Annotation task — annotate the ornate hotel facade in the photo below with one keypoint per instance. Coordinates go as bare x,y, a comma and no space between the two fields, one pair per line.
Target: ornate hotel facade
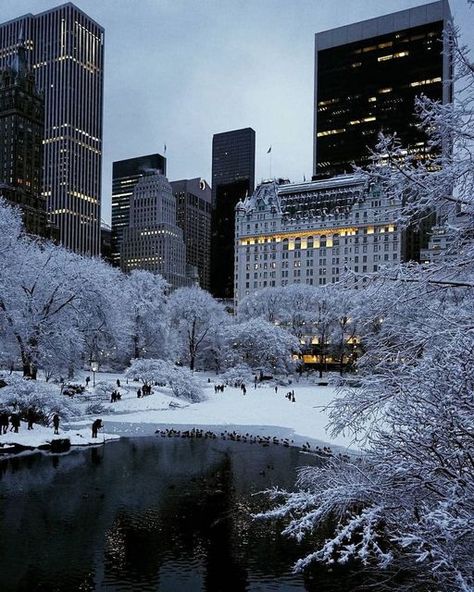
313,233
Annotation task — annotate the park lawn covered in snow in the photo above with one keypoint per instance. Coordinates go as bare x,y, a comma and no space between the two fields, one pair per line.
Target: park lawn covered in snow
261,411
41,436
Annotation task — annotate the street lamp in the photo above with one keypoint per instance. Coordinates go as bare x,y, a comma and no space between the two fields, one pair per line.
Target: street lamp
94,368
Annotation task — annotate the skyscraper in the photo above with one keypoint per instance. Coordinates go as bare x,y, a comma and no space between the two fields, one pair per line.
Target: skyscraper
65,48
193,216
125,176
233,177
21,142
152,240
367,76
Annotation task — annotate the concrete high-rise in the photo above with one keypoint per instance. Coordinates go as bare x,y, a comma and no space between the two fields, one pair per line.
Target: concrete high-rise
65,49
125,175
367,76
233,178
152,240
21,142
193,216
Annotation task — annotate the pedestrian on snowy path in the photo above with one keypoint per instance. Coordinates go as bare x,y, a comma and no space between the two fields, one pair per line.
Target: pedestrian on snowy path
276,389
56,423
3,422
15,421
139,393
118,382
88,379
30,418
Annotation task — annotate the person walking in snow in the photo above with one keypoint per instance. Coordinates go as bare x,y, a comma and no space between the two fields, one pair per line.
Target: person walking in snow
88,379
30,418
96,426
15,421
56,423
139,393
3,422
276,389
118,382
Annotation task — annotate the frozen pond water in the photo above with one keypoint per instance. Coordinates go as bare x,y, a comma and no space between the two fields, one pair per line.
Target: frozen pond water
168,515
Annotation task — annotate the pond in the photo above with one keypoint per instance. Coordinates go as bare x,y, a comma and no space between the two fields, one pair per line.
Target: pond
168,515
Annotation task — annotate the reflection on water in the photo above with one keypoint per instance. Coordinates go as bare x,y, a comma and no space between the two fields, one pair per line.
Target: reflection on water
168,515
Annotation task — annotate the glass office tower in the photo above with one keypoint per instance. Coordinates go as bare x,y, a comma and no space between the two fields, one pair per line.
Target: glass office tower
233,178
65,49
125,175
367,76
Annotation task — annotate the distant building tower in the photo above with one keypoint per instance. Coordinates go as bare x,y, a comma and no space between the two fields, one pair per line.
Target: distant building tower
65,48
193,212
106,242
21,141
125,175
367,76
152,240
233,178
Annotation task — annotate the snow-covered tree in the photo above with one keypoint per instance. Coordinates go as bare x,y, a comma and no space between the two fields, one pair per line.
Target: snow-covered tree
144,306
182,381
195,317
260,344
407,503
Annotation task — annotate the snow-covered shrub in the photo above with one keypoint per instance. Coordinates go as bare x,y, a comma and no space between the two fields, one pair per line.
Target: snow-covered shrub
240,374
97,408
103,390
20,395
181,380
184,385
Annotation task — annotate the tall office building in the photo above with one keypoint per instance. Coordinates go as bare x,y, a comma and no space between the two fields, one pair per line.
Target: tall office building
367,76
152,240
193,216
21,142
65,48
233,178
125,176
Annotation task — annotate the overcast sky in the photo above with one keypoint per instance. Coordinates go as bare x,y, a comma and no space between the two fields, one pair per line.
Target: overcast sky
178,71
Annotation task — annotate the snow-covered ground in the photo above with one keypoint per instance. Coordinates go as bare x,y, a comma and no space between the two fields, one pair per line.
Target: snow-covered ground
40,436
261,412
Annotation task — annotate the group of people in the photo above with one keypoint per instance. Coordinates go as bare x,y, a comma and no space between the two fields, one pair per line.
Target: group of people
144,391
13,421
115,396
219,388
290,395
6,420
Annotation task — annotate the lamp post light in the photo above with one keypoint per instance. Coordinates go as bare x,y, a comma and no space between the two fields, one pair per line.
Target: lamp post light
94,368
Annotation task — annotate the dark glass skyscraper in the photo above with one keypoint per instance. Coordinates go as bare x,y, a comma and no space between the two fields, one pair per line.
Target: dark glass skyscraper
21,142
367,76
125,175
65,48
233,177
193,216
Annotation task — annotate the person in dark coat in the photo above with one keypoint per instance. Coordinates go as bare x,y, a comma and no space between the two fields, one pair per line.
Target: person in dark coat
15,421
139,393
88,379
56,423
96,427
30,418
3,422
118,382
